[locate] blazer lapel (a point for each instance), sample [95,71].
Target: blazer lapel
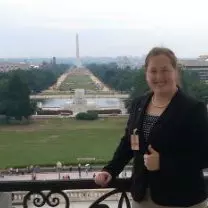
[141,111]
[171,116]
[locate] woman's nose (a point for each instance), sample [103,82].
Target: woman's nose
[159,76]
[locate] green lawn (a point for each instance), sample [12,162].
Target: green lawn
[77,81]
[47,141]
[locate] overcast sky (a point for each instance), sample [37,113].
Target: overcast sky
[44,28]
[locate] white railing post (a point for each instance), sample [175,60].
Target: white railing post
[5,200]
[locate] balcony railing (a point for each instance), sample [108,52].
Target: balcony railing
[40,193]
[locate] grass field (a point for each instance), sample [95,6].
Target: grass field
[45,142]
[77,81]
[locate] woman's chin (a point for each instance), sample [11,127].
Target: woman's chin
[160,90]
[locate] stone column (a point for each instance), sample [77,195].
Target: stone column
[6,200]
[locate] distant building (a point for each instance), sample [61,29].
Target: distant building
[124,62]
[8,66]
[198,65]
[34,66]
[203,57]
[46,64]
[54,61]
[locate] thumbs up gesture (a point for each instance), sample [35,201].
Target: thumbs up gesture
[152,160]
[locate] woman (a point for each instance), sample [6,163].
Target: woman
[167,136]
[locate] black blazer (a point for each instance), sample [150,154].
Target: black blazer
[181,137]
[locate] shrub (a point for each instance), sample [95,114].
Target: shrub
[87,116]
[54,112]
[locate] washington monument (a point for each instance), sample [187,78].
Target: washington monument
[78,61]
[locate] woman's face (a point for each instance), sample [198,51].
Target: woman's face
[160,74]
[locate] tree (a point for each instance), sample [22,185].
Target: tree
[192,85]
[139,84]
[17,99]
[139,87]
[38,79]
[110,74]
[3,94]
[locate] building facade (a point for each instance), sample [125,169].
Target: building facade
[197,65]
[8,66]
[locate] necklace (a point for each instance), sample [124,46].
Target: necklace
[158,106]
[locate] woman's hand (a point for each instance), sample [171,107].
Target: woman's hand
[103,178]
[152,160]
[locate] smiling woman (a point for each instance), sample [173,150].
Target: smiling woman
[166,135]
[161,71]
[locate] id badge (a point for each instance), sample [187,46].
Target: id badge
[135,140]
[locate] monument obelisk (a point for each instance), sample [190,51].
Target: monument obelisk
[78,61]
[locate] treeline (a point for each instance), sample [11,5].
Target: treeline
[14,98]
[38,79]
[133,81]
[16,87]
[111,75]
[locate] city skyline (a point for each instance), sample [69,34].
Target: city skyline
[106,29]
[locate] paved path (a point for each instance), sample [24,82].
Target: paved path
[95,79]
[54,176]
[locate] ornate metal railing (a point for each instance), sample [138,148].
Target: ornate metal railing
[40,193]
